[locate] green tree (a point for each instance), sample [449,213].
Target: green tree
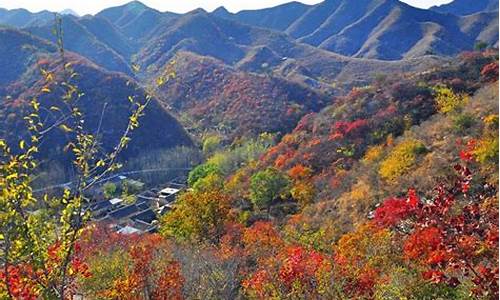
[109,189]
[268,185]
[210,144]
[480,46]
[200,172]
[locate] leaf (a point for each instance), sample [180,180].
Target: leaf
[45,90]
[21,144]
[160,81]
[65,128]
[136,68]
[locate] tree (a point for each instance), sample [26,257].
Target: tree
[448,101]
[200,172]
[197,216]
[129,266]
[267,186]
[210,144]
[480,46]
[39,234]
[109,189]
[451,238]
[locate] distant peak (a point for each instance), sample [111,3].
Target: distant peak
[197,11]
[221,10]
[69,11]
[136,5]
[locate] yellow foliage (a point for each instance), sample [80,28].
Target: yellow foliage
[448,101]
[303,192]
[401,159]
[487,150]
[366,248]
[491,121]
[373,153]
[360,191]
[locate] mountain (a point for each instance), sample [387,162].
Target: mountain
[279,17]
[92,37]
[467,7]
[375,29]
[136,20]
[18,51]
[259,50]
[69,11]
[21,17]
[383,29]
[105,98]
[234,102]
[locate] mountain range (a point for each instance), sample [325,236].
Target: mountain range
[383,29]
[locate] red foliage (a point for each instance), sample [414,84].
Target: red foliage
[301,266]
[20,282]
[342,128]
[467,154]
[490,72]
[451,235]
[394,210]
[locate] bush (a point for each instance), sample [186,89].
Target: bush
[399,161]
[462,122]
[266,186]
[200,172]
[487,150]
[448,101]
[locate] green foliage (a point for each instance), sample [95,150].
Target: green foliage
[210,144]
[109,189]
[401,159]
[462,122]
[480,46]
[212,181]
[241,153]
[200,172]
[267,186]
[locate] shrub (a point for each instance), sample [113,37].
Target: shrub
[462,122]
[448,101]
[400,160]
[266,186]
[487,150]
[200,172]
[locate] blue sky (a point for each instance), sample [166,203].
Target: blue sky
[180,6]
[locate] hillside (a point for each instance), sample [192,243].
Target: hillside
[18,51]
[343,145]
[263,51]
[106,99]
[136,20]
[22,17]
[234,103]
[93,38]
[384,29]
[467,7]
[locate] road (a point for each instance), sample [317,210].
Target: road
[126,173]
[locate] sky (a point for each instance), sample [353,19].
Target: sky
[83,7]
